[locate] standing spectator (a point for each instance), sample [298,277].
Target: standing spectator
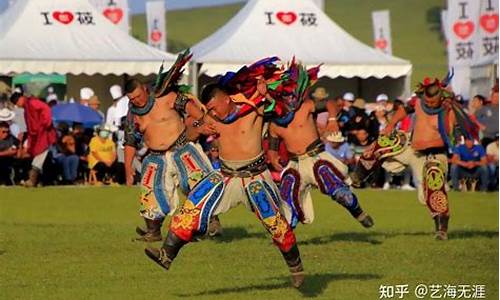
[85,94]
[67,157]
[348,112]
[492,156]
[41,133]
[335,145]
[102,156]
[8,150]
[469,161]
[119,108]
[487,116]
[94,103]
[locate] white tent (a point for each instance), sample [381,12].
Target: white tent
[288,28]
[70,37]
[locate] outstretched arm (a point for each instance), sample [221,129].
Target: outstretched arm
[274,144]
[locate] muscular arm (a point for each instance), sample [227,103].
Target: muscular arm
[129,152]
[333,111]
[273,148]
[398,116]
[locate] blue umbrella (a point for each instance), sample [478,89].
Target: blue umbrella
[74,112]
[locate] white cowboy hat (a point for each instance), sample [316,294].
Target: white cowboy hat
[86,93]
[348,97]
[382,97]
[335,137]
[6,115]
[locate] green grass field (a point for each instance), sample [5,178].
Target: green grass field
[415,26]
[75,243]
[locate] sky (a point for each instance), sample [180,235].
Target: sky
[138,6]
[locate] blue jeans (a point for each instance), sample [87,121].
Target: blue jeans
[70,166]
[481,173]
[493,175]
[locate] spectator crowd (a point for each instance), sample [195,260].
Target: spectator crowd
[36,150]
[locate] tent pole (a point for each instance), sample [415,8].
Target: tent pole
[193,77]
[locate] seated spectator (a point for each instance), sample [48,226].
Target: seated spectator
[102,155]
[335,145]
[8,150]
[67,157]
[469,161]
[492,156]
[213,155]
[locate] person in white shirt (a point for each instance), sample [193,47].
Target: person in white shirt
[119,108]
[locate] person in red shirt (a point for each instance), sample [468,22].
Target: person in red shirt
[41,132]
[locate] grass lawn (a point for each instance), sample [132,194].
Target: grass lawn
[75,243]
[415,27]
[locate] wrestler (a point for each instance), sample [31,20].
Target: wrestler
[439,121]
[155,119]
[245,179]
[310,165]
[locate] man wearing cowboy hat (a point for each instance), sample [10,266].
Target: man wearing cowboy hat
[7,115]
[8,150]
[311,166]
[335,145]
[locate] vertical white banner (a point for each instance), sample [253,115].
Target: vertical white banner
[444,26]
[117,11]
[320,4]
[488,30]
[155,17]
[463,42]
[382,31]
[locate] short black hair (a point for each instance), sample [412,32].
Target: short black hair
[4,125]
[131,85]
[208,92]
[15,97]
[480,97]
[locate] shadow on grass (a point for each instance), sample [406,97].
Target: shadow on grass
[376,238]
[231,234]
[314,285]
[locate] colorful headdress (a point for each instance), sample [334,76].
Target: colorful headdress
[168,81]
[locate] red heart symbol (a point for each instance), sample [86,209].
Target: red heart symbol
[155,35]
[113,14]
[64,17]
[286,18]
[463,29]
[489,22]
[381,43]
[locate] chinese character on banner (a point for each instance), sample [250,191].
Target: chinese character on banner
[63,17]
[462,22]
[117,11]
[488,30]
[382,31]
[289,18]
[155,17]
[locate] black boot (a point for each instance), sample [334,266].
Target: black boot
[292,259]
[214,228]
[442,227]
[167,253]
[152,232]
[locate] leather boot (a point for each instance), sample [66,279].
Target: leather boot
[442,227]
[167,253]
[366,220]
[214,228]
[292,259]
[152,232]
[32,178]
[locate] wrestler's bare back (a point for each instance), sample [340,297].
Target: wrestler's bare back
[162,125]
[301,132]
[242,139]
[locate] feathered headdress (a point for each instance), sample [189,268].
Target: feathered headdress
[166,81]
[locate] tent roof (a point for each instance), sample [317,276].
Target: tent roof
[69,44]
[259,29]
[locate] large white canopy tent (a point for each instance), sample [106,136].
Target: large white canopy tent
[288,28]
[74,39]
